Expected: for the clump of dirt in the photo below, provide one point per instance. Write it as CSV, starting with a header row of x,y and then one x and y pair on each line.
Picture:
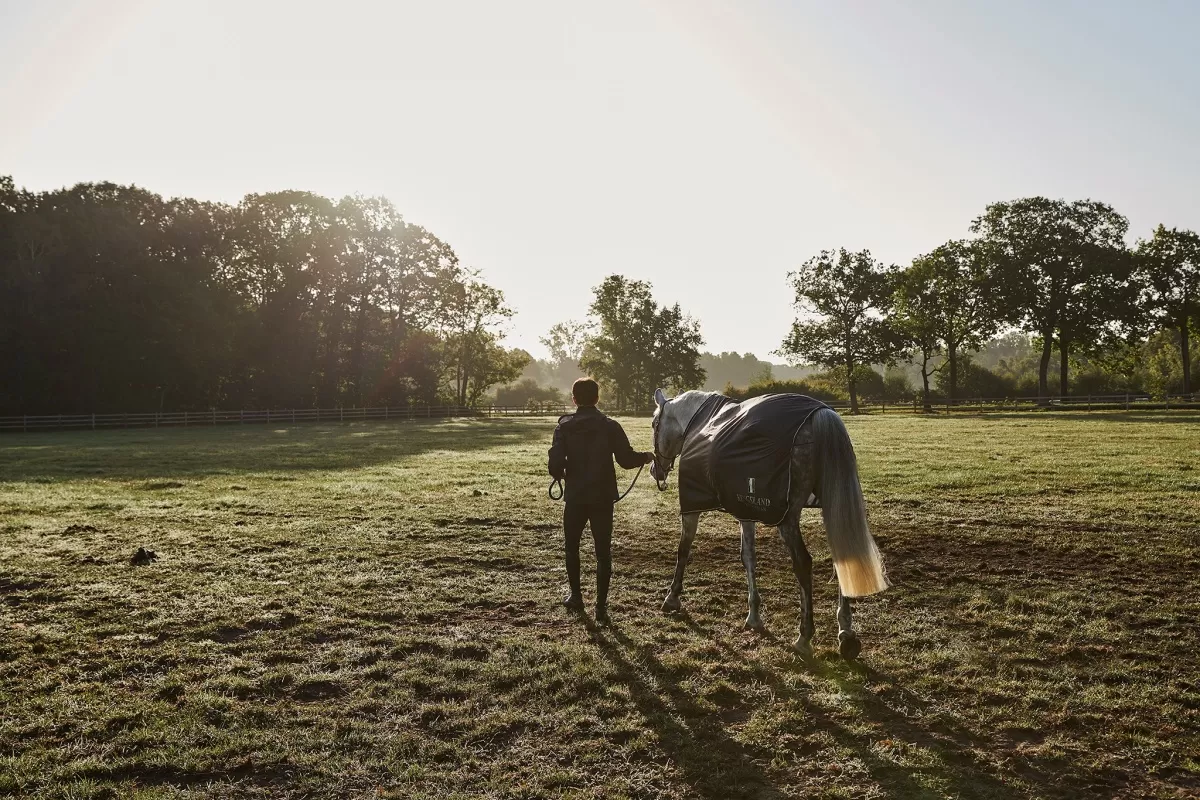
x,y
74,529
143,557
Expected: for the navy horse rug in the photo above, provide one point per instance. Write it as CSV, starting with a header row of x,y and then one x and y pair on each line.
x,y
737,457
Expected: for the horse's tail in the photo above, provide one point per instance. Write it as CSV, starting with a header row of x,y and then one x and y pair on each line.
x,y
859,565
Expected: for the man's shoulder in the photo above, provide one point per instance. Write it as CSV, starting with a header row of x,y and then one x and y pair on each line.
x,y
612,424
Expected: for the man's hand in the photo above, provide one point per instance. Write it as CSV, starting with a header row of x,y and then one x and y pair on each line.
x,y
649,457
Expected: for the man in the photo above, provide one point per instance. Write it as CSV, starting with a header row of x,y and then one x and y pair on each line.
x,y
582,453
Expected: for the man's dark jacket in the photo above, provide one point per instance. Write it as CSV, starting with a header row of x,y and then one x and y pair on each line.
x,y
584,446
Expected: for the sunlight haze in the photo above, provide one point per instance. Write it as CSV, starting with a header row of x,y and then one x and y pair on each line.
x,y
707,148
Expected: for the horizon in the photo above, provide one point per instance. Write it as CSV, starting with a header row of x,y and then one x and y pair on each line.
x,y
678,144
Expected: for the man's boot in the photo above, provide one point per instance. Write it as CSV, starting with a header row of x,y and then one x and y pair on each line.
x,y
573,601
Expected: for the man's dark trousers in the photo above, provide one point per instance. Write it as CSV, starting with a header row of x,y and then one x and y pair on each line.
x,y
600,515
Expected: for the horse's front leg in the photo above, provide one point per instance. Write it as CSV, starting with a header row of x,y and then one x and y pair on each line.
x,y
789,531
689,523
753,621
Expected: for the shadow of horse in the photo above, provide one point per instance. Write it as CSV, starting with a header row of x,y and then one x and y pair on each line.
x,y
716,765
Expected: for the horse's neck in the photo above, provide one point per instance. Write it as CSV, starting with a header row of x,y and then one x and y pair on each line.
x,y
685,406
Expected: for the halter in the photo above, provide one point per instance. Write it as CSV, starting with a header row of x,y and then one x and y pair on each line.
x,y
662,467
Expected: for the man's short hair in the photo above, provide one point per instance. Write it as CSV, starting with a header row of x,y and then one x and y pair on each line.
x,y
586,392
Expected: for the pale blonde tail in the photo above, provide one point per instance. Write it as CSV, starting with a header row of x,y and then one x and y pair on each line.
x,y
857,559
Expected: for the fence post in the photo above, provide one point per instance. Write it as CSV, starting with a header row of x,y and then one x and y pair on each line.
x,y
24,423
980,405
185,419
242,417
428,413
1167,400
268,416
385,412
1089,402
341,414
156,419
93,421
293,415
60,422
214,418
1127,401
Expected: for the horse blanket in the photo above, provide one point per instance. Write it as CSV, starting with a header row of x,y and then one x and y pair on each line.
x,y
737,457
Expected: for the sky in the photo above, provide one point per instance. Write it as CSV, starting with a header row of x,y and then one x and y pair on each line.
x,y
706,147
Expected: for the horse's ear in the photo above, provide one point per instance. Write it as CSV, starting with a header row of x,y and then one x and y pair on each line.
x,y
660,398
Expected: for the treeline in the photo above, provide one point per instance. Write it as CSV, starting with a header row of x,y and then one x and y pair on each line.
x,y
1058,271
113,298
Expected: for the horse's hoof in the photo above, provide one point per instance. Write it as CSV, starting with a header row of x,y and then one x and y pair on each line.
x,y
753,624
803,647
671,604
849,645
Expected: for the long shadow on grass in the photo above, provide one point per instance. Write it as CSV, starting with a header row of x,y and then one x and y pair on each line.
x,y
230,450
718,765
964,773
714,765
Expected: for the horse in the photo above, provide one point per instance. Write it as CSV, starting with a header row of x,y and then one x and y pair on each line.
x,y
826,463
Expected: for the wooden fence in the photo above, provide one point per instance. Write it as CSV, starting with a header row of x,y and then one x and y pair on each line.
x,y
186,419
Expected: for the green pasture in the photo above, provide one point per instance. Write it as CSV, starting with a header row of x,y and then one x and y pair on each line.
x,y
370,610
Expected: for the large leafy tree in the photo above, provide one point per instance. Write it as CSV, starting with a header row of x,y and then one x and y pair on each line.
x,y
1170,264
1061,271
843,298
639,345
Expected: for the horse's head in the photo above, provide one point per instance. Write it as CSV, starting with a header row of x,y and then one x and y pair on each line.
x,y
668,438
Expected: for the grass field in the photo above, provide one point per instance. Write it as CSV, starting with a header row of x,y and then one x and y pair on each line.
x,y
371,610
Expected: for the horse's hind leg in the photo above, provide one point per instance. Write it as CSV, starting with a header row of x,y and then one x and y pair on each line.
x,y
753,621
848,644
689,524
789,532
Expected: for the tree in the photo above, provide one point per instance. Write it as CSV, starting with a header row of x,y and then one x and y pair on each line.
x,y
1061,271
640,346
475,359
956,275
566,342
1170,263
917,320
849,294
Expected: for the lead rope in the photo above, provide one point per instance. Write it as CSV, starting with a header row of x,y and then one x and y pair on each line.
x,y
558,484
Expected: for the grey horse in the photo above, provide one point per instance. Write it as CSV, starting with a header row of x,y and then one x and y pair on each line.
x,y
827,463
